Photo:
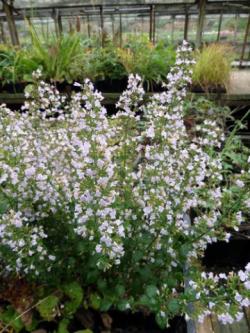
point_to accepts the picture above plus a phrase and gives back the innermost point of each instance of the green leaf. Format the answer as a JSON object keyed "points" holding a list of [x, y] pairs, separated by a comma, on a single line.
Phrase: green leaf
{"points": [[95, 301], [47, 307], [151, 290], [162, 321], [122, 305], [63, 326], [75, 293], [185, 249], [173, 306], [119, 290], [8, 317], [106, 304], [171, 282]]}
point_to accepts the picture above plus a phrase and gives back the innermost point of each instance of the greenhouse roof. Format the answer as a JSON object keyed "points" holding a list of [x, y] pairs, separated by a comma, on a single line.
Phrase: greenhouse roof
{"points": [[59, 3], [47, 8]]}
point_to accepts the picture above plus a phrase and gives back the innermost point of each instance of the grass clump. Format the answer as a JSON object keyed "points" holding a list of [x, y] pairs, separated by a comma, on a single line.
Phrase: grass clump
{"points": [[213, 67]]}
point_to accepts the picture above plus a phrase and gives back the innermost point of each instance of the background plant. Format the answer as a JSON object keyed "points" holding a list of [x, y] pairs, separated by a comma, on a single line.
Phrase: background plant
{"points": [[213, 66], [151, 62]]}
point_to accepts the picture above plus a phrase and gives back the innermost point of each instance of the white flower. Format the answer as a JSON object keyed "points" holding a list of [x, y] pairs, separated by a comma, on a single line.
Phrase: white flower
{"points": [[240, 183], [150, 133], [30, 172]]}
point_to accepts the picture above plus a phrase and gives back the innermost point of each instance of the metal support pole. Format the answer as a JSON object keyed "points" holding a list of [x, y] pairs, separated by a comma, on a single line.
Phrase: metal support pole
{"points": [[186, 26], [58, 21], [113, 27], [78, 24], [60, 26], [71, 30], [151, 24], [88, 26], [153, 27], [8, 9], [172, 29], [235, 30], [3, 36], [201, 19], [245, 41], [219, 27], [102, 25], [120, 30]]}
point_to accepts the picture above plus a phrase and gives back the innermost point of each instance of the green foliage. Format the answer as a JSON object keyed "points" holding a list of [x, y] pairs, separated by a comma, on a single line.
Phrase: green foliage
{"points": [[63, 326], [75, 294], [151, 62], [69, 58], [95, 301], [213, 66], [11, 318], [47, 307], [59, 58], [103, 63]]}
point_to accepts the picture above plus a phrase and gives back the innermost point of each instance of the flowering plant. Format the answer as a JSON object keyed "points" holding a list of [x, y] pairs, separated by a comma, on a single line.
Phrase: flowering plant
{"points": [[129, 201]]}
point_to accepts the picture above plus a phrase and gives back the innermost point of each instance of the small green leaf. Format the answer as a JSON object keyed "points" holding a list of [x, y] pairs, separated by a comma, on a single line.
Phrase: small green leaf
{"points": [[173, 306], [151, 290], [63, 326], [47, 307], [8, 317], [105, 304], [75, 293], [119, 290], [161, 320], [95, 301], [123, 305]]}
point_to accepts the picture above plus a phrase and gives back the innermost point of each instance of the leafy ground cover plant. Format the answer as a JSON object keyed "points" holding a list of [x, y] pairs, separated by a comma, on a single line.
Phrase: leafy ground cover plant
{"points": [[68, 58], [59, 59], [103, 63], [105, 202], [151, 62], [213, 67]]}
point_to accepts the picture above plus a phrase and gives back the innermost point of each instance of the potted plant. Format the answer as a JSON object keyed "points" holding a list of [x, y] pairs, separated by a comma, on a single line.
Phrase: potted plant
{"points": [[211, 73], [101, 213]]}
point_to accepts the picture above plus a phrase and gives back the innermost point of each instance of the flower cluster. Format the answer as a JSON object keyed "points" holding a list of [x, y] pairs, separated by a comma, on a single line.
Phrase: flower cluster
{"points": [[87, 195]]}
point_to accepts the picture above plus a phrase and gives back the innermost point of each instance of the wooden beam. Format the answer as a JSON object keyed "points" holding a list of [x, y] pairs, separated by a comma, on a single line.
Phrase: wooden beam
{"points": [[200, 24], [245, 41], [8, 9]]}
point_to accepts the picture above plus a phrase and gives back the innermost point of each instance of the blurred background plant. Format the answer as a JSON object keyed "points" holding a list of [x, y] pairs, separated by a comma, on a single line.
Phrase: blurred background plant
{"points": [[213, 66]]}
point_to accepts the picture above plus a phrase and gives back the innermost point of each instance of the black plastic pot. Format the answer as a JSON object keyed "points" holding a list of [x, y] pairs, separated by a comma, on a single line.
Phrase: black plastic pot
{"points": [[223, 256], [108, 85], [13, 88], [212, 89], [153, 87]]}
